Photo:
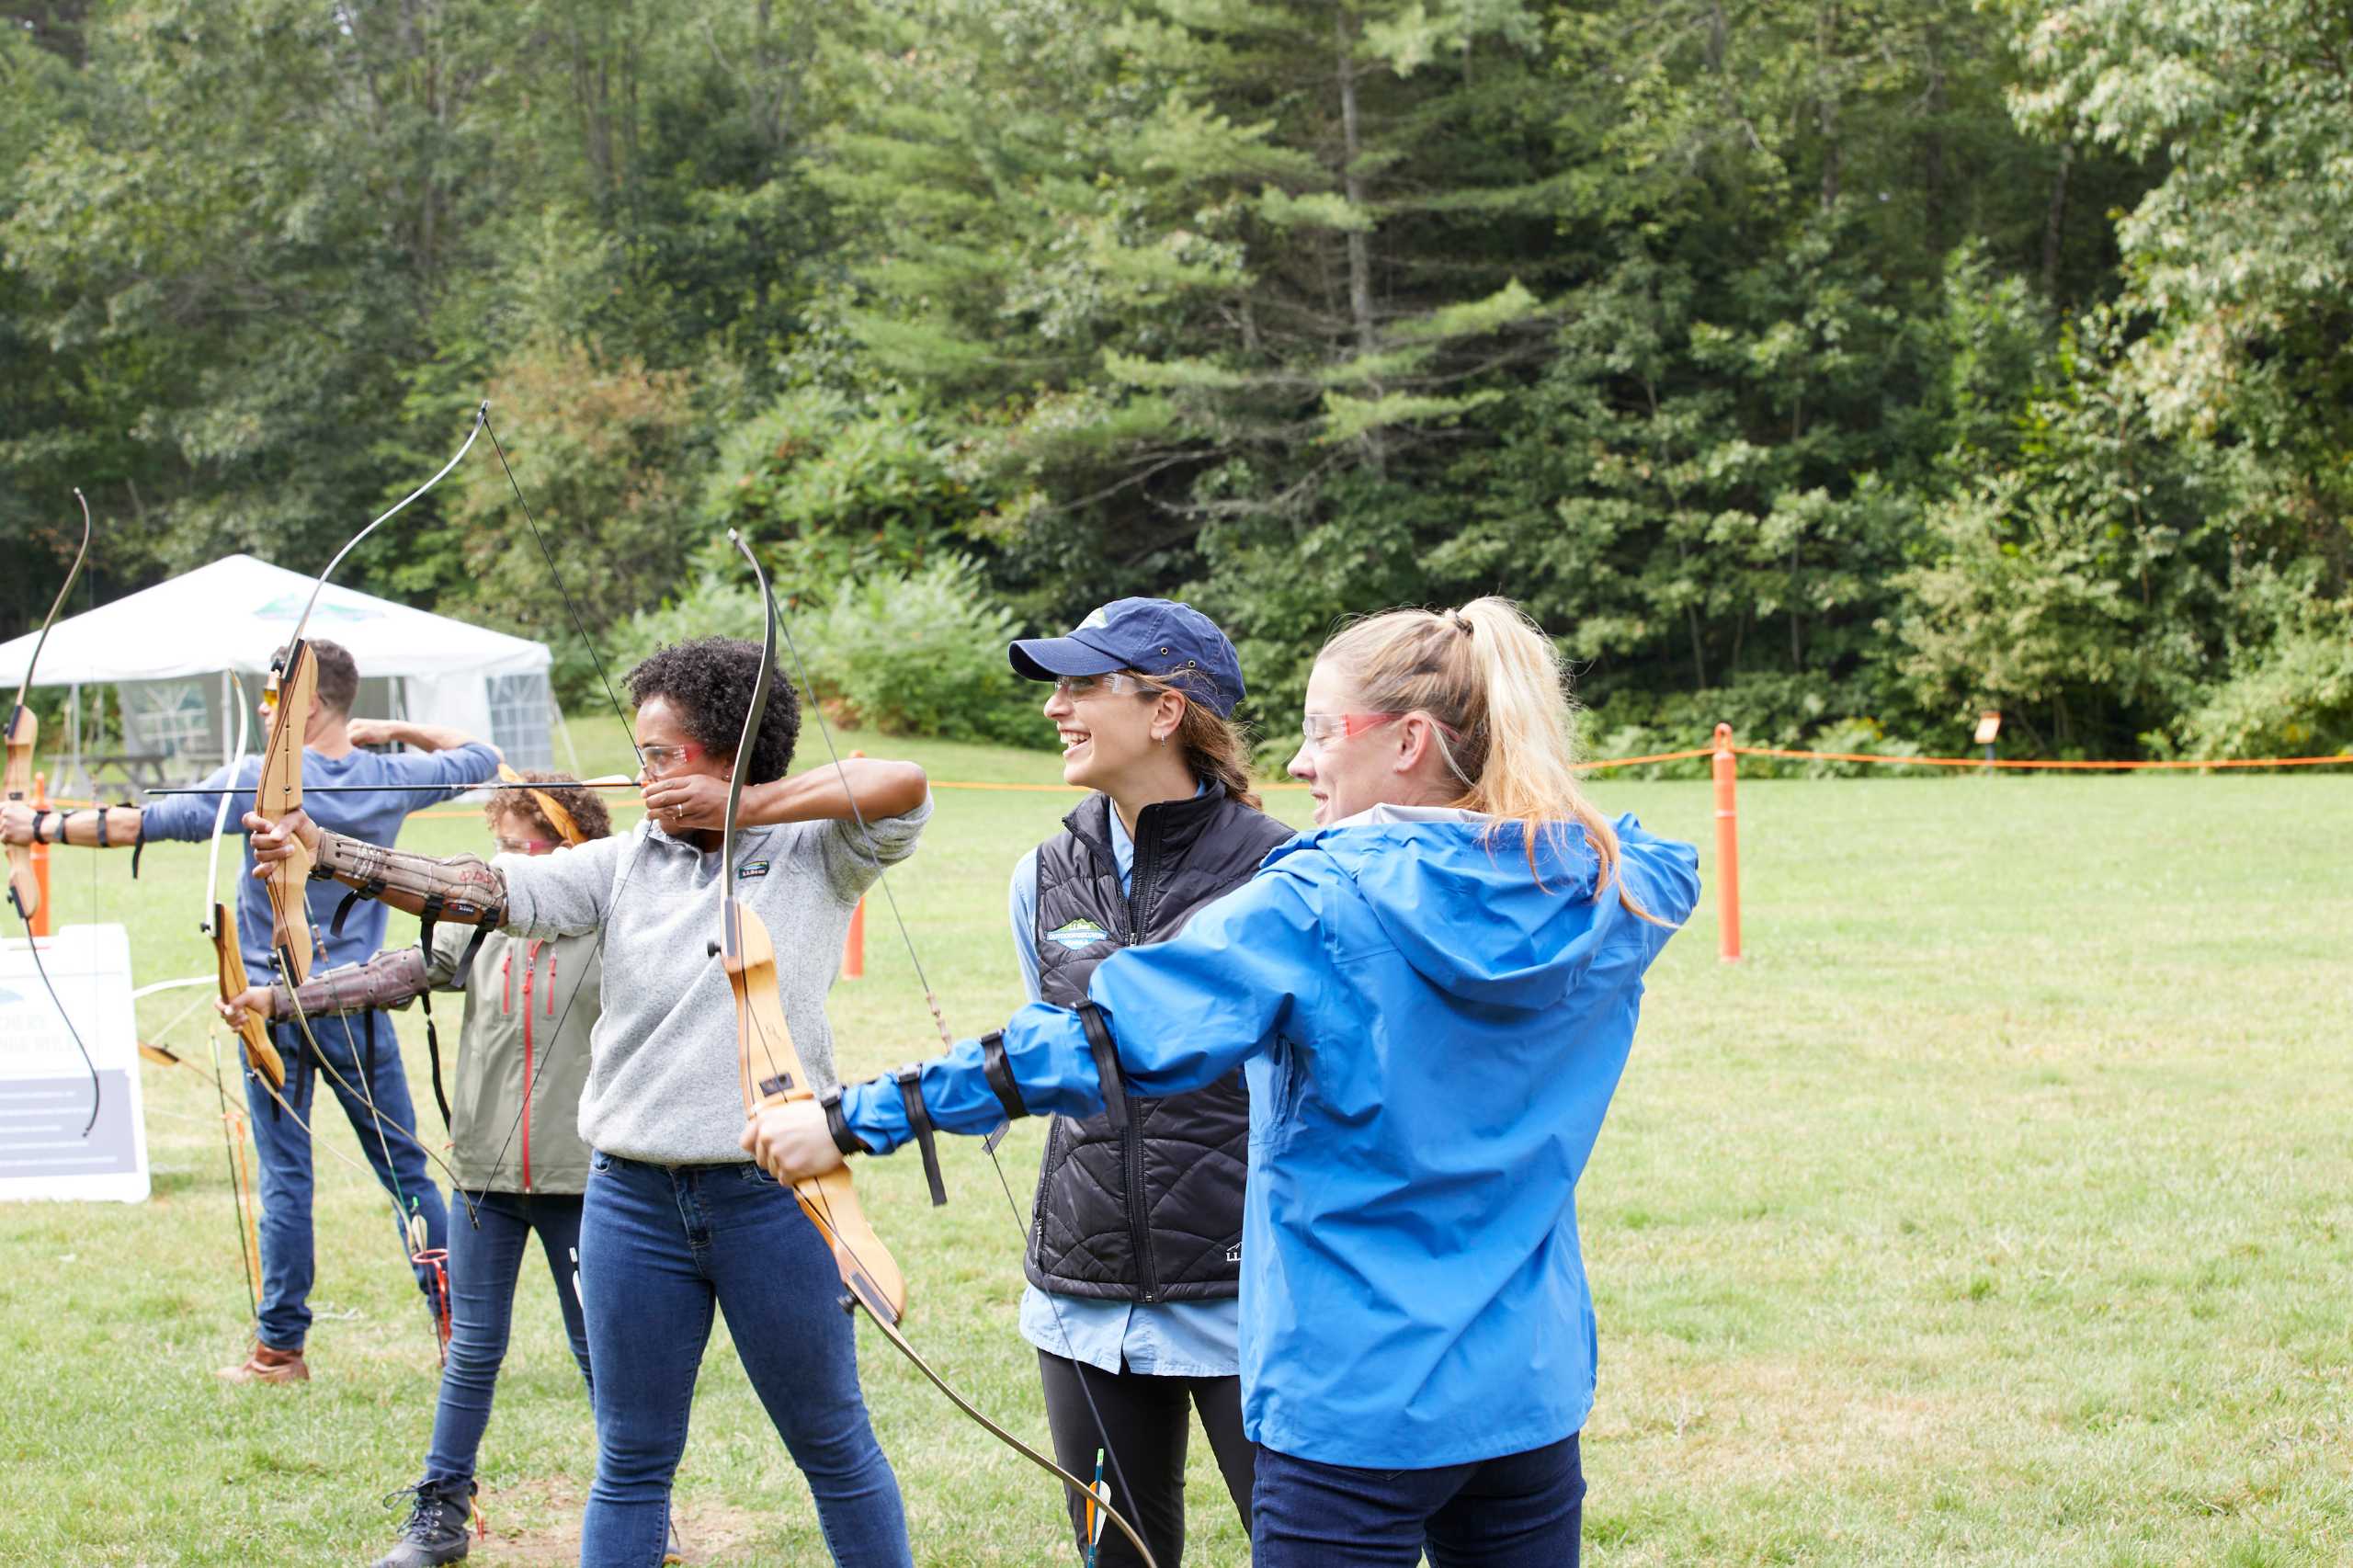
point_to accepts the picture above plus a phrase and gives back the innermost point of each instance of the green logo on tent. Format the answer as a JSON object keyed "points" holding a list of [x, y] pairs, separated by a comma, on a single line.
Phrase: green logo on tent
{"points": [[1077, 934]]}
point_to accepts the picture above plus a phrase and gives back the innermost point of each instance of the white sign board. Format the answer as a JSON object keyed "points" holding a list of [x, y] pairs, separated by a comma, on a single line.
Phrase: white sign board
{"points": [[44, 1089]]}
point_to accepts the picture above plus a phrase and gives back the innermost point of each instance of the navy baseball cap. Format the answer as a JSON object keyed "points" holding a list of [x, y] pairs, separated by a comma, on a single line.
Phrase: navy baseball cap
{"points": [[1172, 642]]}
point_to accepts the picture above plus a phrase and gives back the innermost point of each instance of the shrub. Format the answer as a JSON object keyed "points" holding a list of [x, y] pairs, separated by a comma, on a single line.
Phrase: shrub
{"points": [[921, 653], [918, 652]]}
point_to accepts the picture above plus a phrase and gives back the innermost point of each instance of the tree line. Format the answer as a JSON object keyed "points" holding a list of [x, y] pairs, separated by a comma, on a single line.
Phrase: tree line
{"points": [[1834, 367]]}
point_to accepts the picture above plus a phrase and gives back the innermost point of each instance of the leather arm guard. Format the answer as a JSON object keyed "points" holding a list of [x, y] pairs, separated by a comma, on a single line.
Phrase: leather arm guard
{"points": [[388, 979], [460, 889]]}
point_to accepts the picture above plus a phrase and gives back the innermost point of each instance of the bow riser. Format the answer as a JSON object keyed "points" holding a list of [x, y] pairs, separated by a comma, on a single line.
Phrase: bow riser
{"points": [[867, 1269], [24, 733], [278, 795], [260, 1054]]}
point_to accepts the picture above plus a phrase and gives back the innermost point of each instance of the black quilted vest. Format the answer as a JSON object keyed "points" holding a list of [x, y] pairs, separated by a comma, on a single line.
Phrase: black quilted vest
{"points": [[1154, 1213]]}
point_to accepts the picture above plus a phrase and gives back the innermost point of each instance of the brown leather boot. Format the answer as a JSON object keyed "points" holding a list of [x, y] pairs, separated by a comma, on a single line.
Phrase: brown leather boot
{"points": [[266, 1364]]}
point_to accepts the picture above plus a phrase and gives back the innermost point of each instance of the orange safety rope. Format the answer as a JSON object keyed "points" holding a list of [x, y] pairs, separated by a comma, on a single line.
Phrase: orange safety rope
{"points": [[2339, 760]]}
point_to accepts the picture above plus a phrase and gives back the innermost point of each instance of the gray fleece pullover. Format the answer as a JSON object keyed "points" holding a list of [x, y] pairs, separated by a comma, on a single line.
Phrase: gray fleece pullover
{"points": [[662, 1085]]}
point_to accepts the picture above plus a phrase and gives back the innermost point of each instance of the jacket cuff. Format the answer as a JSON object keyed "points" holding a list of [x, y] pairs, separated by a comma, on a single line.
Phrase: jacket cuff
{"points": [[875, 1116]]}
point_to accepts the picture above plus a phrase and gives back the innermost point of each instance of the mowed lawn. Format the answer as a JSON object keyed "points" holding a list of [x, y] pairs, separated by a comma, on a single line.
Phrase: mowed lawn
{"points": [[1996, 1209]]}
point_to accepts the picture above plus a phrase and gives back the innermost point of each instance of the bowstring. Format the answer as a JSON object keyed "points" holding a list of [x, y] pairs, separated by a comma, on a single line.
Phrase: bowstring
{"points": [[628, 867], [406, 1213], [931, 999], [281, 967], [232, 1135]]}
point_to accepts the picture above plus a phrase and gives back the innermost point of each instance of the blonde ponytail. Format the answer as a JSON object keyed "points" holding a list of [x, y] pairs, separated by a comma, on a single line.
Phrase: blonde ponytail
{"points": [[1492, 677]]}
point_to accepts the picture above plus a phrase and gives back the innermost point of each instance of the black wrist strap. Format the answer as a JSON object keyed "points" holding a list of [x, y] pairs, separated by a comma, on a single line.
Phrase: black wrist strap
{"points": [[102, 828], [372, 888], [837, 1124], [910, 1081], [1106, 1064], [138, 842], [40, 826], [1000, 1074]]}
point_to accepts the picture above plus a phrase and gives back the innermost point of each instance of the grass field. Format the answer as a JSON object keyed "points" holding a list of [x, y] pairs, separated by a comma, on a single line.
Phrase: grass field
{"points": [[1997, 1210]]}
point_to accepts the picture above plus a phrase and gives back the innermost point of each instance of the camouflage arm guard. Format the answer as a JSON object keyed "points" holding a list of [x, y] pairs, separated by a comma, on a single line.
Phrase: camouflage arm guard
{"points": [[462, 889], [388, 979]]}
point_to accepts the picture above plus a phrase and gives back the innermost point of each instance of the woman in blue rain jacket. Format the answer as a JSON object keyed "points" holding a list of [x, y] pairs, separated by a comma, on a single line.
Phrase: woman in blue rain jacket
{"points": [[1432, 995]]}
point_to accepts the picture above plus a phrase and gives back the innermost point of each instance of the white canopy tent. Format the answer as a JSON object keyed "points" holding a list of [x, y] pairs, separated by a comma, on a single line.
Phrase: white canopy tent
{"points": [[167, 651]]}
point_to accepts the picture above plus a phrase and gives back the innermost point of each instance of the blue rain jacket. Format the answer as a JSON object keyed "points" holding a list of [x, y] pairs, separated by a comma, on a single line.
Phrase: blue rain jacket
{"points": [[1431, 1033]]}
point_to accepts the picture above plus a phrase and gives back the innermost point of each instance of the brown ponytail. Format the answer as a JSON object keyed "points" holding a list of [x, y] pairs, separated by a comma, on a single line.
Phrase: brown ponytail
{"points": [[1217, 750], [1493, 677]]}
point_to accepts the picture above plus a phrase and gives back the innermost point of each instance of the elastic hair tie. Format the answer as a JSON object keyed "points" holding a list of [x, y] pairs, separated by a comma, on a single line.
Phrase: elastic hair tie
{"points": [[1460, 624]]}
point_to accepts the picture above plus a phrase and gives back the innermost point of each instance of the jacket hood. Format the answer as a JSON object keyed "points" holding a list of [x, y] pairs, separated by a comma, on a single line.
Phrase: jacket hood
{"points": [[1466, 910]]}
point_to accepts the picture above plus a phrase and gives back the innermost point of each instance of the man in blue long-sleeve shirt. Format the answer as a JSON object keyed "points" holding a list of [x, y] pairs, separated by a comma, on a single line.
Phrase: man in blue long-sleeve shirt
{"points": [[357, 1053]]}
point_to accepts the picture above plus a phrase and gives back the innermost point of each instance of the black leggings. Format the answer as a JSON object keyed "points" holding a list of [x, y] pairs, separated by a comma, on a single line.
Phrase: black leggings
{"points": [[1145, 1426]]}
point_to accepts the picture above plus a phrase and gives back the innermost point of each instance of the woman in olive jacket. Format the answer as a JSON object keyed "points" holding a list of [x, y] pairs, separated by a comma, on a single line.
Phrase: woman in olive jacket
{"points": [[513, 1114]]}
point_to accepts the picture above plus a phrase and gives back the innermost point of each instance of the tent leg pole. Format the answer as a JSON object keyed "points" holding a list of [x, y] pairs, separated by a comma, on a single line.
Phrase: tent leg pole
{"points": [[565, 731]]}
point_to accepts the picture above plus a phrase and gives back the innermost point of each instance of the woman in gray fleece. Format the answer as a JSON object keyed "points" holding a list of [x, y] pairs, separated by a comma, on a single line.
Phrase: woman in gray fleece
{"points": [[675, 1222]]}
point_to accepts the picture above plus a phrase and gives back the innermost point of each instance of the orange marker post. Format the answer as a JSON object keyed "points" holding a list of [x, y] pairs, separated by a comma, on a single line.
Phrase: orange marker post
{"points": [[1727, 770], [854, 948], [41, 859]]}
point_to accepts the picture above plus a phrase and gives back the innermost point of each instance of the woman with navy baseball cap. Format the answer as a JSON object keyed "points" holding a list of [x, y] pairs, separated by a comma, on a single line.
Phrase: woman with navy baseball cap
{"points": [[1433, 995], [1134, 1260]]}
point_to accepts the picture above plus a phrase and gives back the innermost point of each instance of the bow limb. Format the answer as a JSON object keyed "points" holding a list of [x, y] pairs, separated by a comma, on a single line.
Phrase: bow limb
{"points": [[891, 1332], [279, 791], [763, 1040], [23, 733]]}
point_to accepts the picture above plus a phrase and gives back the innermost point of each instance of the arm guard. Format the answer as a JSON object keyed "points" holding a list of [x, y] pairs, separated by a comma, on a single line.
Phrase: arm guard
{"points": [[460, 889], [388, 979]]}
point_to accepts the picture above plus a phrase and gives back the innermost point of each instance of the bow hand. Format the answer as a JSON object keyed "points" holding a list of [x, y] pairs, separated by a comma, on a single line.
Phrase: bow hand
{"points": [[293, 836], [253, 1002], [16, 821], [789, 1140]]}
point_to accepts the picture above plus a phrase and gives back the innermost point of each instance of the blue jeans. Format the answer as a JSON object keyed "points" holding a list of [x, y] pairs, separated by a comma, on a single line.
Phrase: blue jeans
{"points": [[660, 1246], [1522, 1510], [483, 1265], [367, 1059]]}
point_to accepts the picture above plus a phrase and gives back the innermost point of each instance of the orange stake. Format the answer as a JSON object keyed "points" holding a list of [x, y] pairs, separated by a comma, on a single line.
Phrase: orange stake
{"points": [[41, 859], [854, 948], [1727, 770]]}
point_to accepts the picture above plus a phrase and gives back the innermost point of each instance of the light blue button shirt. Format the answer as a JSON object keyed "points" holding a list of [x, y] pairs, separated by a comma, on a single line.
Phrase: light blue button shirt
{"points": [[1170, 1339]]}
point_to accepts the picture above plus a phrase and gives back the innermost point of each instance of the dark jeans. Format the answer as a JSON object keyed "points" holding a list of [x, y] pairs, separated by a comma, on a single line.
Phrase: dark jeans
{"points": [[484, 1263], [361, 1049], [660, 1247], [1522, 1510], [1145, 1423]]}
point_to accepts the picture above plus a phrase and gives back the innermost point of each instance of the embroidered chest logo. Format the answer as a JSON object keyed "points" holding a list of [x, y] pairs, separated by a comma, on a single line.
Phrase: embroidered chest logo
{"points": [[751, 869], [1079, 933]]}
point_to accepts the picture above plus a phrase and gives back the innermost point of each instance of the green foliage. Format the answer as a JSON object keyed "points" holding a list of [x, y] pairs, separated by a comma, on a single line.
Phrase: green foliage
{"points": [[841, 487], [1810, 366], [922, 653], [2290, 694], [915, 652]]}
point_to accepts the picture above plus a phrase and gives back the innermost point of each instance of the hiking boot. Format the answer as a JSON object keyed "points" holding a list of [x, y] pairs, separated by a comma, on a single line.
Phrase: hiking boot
{"points": [[435, 1531], [267, 1365]]}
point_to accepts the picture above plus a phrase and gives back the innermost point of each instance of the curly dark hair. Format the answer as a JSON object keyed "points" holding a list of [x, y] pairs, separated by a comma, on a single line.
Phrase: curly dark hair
{"points": [[709, 680], [586, 806]]}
